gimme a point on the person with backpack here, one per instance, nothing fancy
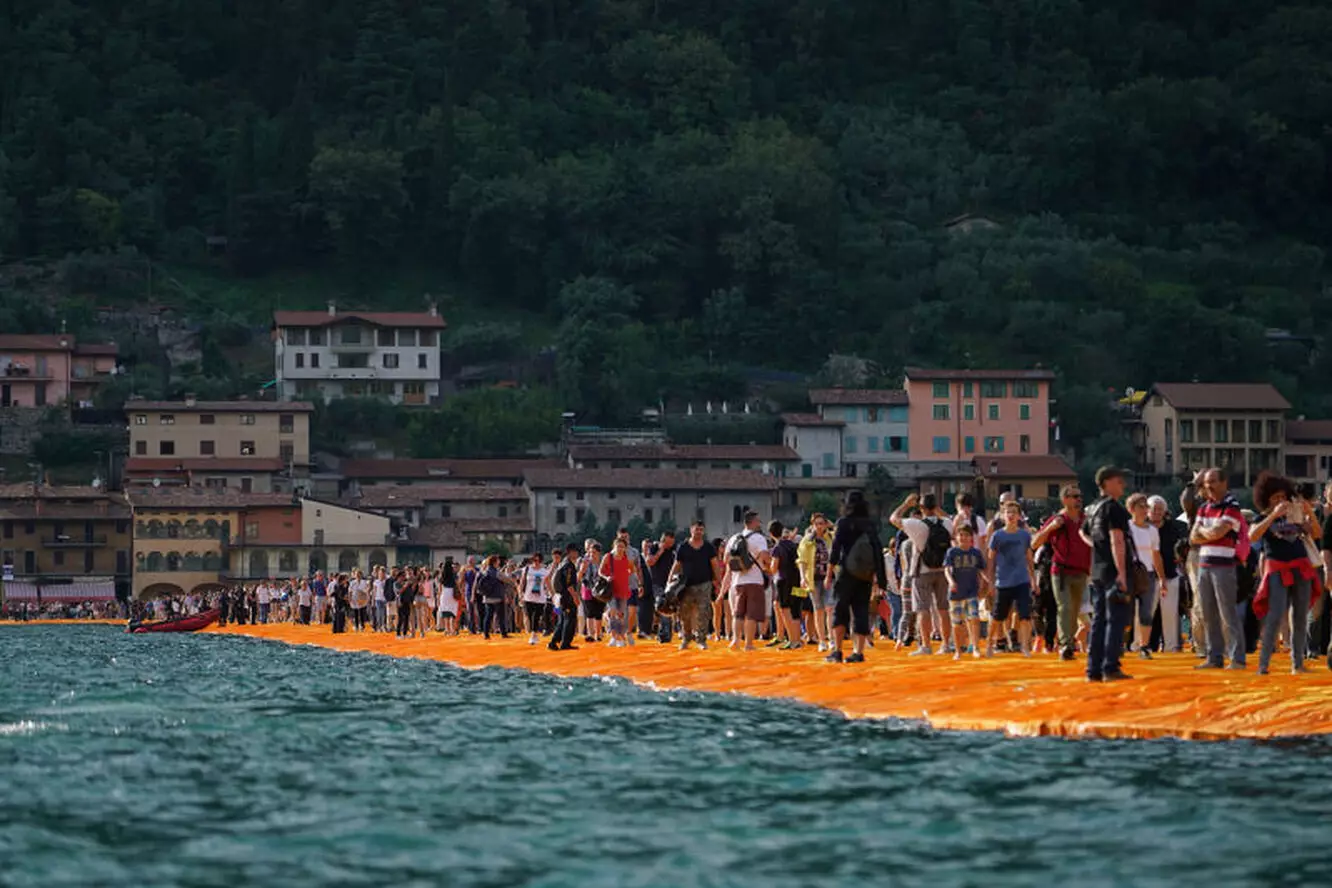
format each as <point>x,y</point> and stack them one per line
<point>930,539</point>
<point>749,563</point>
<point>857,559</point>
<point>1070,566</point>
<point>564,584</point>
<point>785,561</point>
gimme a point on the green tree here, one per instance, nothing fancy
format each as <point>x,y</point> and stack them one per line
<point>359,192</point>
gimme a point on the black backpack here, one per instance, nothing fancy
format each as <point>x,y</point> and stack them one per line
<point>936,545</point>
<point>738,557</point>
<point>860,558</point>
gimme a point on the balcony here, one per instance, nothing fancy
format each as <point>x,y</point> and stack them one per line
<point>366,346</point>
<point>349,373</point>
<point>63,541</point>
<point>23,372</point>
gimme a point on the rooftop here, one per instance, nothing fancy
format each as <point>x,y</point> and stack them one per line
<point>1221,396</point>
<point>221,406</point>
<point>465,469</point>
<point>927,373</point>
<point>806,420</point>
<point>374,318</point>
<point>400,496</point>
<point>687,452</point>
<point>438,535</point>
<point>857,396</point>
<point>648,479</point>
<point>1309,430</point>
<point>36,342</point>
<point>179,498</point>
<point>33,490</point>
<point>166,464</point>
<point>999,466</point>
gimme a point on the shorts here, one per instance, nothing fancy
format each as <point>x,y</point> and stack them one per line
<point>593,609</point>
<point>792,604</point>
<point>962,610</point>
<point>929,593</point>
<point>1010,597</point>
<point>820,597</point>
<point>749,602</point>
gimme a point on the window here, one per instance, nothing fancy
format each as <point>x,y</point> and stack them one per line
<point>850,444</point>
<point>1024,443</point>
<point>503,511</point>
<point>413,388</point>
<point>737,514</point>
<point>940,389</point>
<point>561,516</point>
<point>141,419</point>
<point>1026,390</point>
<point>140,448</point>
<point>613,516</point>
<point>559,495</point>
<point>215,483</point>
<point>579,514</point>
<point>247,485</point>
<point>358,361</point>
<point>295,335</point>
<point>88,561</point>
<point>1222,432</point>
<point>422,361</point>
<point>286,423</point>
<point>407,337</point>
<point>252,530</point>
<point>122,561</point>
<point>247,448</point>
<point>647,515</point>
<point>1237,431</point>
<point>580,496</point>
<point>610,494</point>
<point>29,527</point>
<point>385,338</point>
<point>427,338</point>
<point>391,362</point>
<point>942,444</point>
<point>207,419</point>
<point>314,361</point>
<point>9,530</point>
<point>1255,431</point>
<point>969,444</point>
<point>351,335</point>
<point>167,419</point>
<point>872,444</point>
<point>994,389</point>
<point>851,414</point>
<point>1185,431</point>
<point>992,411</point>
<point>59,558</point>
<point>206,448</point>
<point>1024,411</point>
<point>895,444</point>
<point>1204,430</point>
<point>969,412</point>
<point>445,510</point>
<point>247,419</point>
<point>316,337</point>
<point>942,411</point>
<point>665,516</point>
<point>166,448</point>
<point>967,390</point>
<point>897,413</point>
<point>994,445</point>
<point>871,414</point>
<point>1273,431</point>
<point>287,453</point>
<point>300,360</point>
<point>829,461</point>
<point>30,562</point>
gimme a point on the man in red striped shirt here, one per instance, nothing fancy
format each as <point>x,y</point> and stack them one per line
<point>1216,532</point>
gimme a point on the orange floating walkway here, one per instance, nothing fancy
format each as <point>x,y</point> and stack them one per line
<point>1037,697</point>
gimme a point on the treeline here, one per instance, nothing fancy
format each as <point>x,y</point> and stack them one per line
<point>685,187</point>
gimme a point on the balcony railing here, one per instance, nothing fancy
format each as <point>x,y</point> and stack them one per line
<point>68,542</point>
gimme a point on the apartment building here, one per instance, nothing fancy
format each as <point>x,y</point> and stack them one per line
<point>63,543</point>
<point>958,415</point>
<point>250,446</point>
<point>774,459</point>
<point>1309,450</point>
<point>817,443</point>
<point>874,430</point>
<point>337,354</point>
<point>47,369</point>
<point>1185,427</point>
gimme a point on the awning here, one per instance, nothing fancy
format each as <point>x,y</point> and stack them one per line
<point>83,590</point>
<point>20,590</point>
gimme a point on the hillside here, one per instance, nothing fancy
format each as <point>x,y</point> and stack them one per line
<point>670,188</point>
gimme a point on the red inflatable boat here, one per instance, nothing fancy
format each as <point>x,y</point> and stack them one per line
<point>192,623</point>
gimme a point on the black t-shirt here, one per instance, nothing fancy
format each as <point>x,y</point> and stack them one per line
<point>1107,515</point>
<point>1172,531</point>
<point>696,564</point>
<point>1326,542</point>
<point>660,571</point>
<point>566,584</point>
<point>788,568</point>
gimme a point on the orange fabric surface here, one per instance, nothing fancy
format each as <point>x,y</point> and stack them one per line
<point>1040,696</point>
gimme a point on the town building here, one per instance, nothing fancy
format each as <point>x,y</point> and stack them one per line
<point>49,369</point>
<point>874,431</point>
<point>957,415</point>
<point>375,354</point>
<point>817,442</point>
<point>251,446</point>
<point>1188,426</point>
<point>773,459</point>
<point>564,500</point>
<point>63,543</point>
<point>1309,450</point>
<point>355,475</point>
<point>1032,479</point>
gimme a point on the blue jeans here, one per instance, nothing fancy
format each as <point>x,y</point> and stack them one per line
<point>263,613</point>
<point>493,611</point>
<point>381,616</point>
<point>1106,640</point>
<point>895,609</point>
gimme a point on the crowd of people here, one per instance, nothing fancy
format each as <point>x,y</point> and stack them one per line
<point>1091,580</point>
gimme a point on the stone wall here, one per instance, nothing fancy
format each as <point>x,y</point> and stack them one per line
<point>19,428</point>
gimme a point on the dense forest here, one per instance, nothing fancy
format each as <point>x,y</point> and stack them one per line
<point>681,188</point>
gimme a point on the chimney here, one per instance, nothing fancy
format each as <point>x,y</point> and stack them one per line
<point>332,308</point>
<point>190,399</point>
<point>434,310</point>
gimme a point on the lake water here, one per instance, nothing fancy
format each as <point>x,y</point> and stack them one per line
<point>227,761</point>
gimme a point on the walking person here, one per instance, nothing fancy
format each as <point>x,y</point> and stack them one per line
<point>1070,566</point>
<point>931,539</point>
<point>378,593</point>
<point>564,584</point>
<point>749,563</point>
<point>360,600</point>
<point>1289,575</point>
<point>1147,553</point>
<point>1172,533</point>
<point>813,554</point>
<point>534,596</point>
<point>1107,532</point>
<point>857,560</point>
<point>618,567</point>
<point>660,560</point>
<point>491,589</point>
<point>404,586</point>
<point>696,559</point>
<point>447,621</point>
<point>1217,532</point>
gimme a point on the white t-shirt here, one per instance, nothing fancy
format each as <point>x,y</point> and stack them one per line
<point>263,594</point>
<point>448,600</point>
<point>1146,540</point>
<point>978,527</point>
<point>360,593</point>
<point>303,596</point>
<point>379,590</point>
<point>918,531</point>
<point>535,592</point>
<point>757,542</point>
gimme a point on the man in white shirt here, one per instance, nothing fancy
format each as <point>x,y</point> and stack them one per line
<point>264,595</point>
<point>929,585</point>
<point>749,580</point>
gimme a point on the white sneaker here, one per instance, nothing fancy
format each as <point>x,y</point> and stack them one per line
<point>921,652</point>
<point>684,645</point>
<point>532,640</point>
<point>957,655</point>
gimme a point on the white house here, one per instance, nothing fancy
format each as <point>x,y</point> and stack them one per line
<point>817,441</point>
<point>333,354</point>
<point>874,430</point>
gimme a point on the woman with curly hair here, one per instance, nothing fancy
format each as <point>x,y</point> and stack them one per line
<point>1289,577</point>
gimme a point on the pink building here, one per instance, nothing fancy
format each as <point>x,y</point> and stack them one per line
<point>37,370</point>
<point>957,415</point>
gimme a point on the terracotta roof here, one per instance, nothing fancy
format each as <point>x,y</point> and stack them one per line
<point>166,464</point>
<point>377,318</point>
<point>221,406</point>
<point>1308,430</point>
<point>466,469</point>
<point>395,496</point>
<point>416,495</point>
<point>688,452</point>
<point>926,373</point>
<point>809,420</point>
<point>31,490</point>
<point>1023,466</point>
<point>438,535</point>
<point>26,502</point>
<point>857,396</point>
<point>649,479</point>
<point>512,524</point>
<point>36,342</point>
<point>1221,396</point>
<point>97,348</point>
<point>205,498</point>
